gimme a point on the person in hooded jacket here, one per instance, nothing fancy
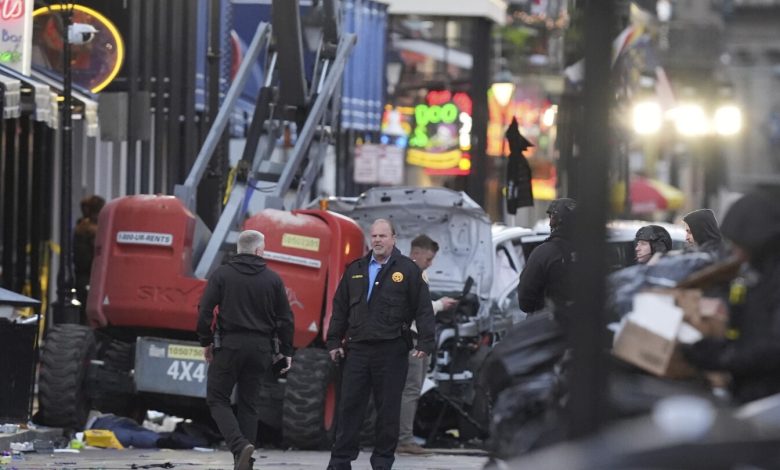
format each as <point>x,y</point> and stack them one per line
<point>753,356</point>
<point>253,309</point>
<point>701,231</point>
<point>651,239</point>
<point>547,272</point>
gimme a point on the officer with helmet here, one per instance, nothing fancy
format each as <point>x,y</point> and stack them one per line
<point>546,277</point>
<point>651,239</point>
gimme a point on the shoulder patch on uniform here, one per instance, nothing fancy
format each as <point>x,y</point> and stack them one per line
<point>357,276</point>
<point>397,276</point>
<point>425,277</point>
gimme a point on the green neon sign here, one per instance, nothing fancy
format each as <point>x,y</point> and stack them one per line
<point>424,115</point>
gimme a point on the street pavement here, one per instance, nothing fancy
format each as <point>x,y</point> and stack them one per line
<point>109,459</point>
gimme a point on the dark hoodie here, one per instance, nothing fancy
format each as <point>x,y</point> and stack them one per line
<point>704,228</point>
<point>752,223</point>
<point>251,299</point>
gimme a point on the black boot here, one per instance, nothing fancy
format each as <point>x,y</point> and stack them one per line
<point>243,460</point>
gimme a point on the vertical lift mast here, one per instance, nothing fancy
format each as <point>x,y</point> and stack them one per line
<point>284,97</point>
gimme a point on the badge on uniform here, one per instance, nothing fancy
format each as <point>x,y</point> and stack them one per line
<point>397,277</point>
<point>357,276</point>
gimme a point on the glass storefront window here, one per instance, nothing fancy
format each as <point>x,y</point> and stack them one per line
<point>433,53</point>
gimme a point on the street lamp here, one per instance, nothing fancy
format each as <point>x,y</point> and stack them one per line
<point>503,89</point>
<point>647,117</point>
<point>691,120</point>
<point>728,120</point>
<point>67,307</point>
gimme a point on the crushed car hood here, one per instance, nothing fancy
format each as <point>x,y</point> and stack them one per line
<point>451,218</point>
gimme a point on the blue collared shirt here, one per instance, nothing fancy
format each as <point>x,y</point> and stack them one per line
<point>373,269</point>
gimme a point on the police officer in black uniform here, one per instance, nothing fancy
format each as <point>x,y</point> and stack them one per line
<point>253,307</point>
<point>377,299</point>
<point>649,240</point>
<point>547,273</point>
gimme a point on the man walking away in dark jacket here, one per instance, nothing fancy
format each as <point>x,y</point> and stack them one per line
<point>753,356</point>
<point>701,231</point>
<point>546,275</point>
<point>253,307</point>
<point>377,299</point>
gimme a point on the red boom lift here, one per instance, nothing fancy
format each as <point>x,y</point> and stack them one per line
<point>153,256</point>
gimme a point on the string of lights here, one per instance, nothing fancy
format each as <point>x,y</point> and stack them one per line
<point>541,19</point>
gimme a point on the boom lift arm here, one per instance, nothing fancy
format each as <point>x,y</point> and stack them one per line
<point>284,99</point>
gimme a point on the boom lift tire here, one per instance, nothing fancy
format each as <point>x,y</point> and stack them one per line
<point>65,359</point>
<point>119,357</point>
<point>309,405</point>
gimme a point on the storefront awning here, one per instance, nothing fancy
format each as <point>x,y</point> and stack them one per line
<point>8,297</point>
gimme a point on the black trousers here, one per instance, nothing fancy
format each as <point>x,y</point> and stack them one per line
<point>243,362</point>
<point>378,368</point>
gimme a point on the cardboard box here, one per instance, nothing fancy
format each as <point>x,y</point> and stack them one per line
<point>709,315</point>
<point>651,352</point>
<point>649,336</point>
<point>713,319</point>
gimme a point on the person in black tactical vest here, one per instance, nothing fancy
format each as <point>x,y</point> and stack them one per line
<point>546,277</point>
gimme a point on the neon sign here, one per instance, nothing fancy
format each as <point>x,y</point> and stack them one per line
<point>441,135</point>
<point>10,57</point>
<point>16,34</point>
<point>425,115</point>
<point>397,125</point>
<point>11,9</point>
<point>94,65</point>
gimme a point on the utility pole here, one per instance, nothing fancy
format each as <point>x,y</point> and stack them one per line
<point>67,307</point>
<point>480,82</point>
<point>587,323</point>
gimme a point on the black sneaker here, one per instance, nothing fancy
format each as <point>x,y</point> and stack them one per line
<point>244,458</point>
